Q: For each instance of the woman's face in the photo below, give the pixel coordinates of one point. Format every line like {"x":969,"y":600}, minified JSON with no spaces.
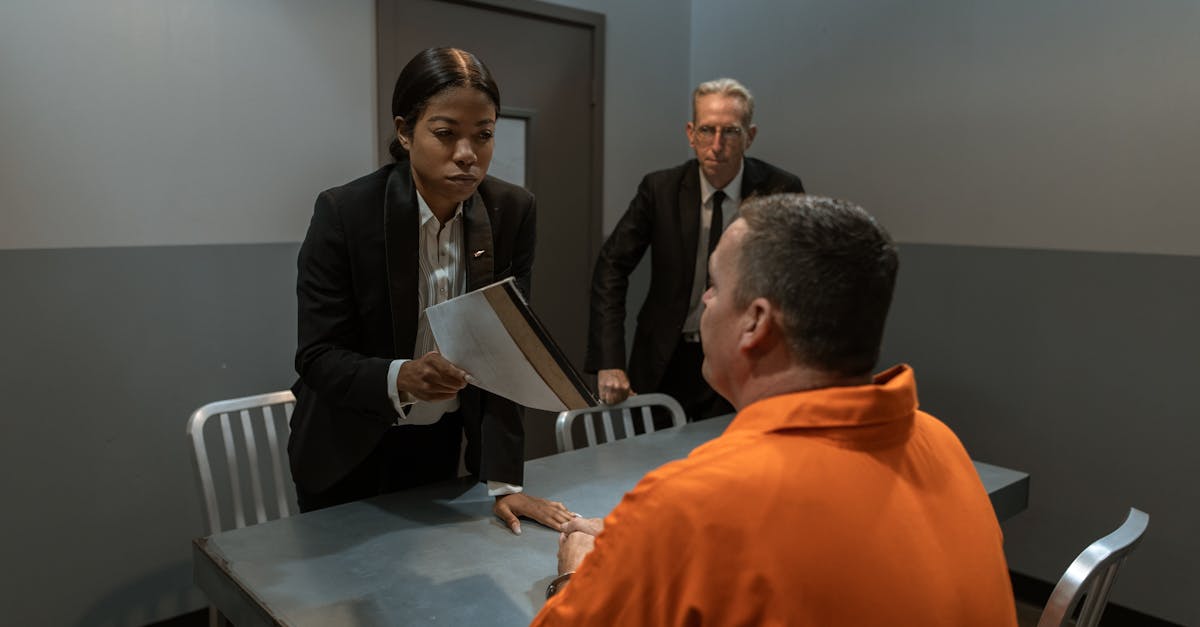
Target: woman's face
{"x":450,"y":147}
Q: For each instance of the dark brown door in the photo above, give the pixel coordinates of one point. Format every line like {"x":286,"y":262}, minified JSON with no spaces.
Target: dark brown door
{"x":548,"y":63}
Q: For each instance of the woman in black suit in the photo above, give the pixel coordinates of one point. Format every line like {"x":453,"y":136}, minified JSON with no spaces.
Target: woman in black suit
{"x":378,"y":409}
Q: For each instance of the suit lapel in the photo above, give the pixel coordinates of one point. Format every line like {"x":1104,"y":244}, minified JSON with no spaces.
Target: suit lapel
{"x":754,"y":179}
{"x":401,"y":228}
{"x":689,"y":216}
{"x":477,"y":239}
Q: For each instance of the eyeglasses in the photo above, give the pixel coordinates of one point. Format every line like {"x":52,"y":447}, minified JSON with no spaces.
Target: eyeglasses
{"x":707,"y":133}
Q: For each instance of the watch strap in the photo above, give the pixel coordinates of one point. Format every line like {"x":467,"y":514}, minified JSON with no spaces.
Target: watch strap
{"x":558,"y":583}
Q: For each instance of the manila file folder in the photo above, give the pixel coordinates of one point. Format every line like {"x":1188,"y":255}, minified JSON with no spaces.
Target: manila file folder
{"x":493,"y":334}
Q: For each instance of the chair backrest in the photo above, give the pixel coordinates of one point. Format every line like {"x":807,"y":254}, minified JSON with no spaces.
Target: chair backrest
{"x":645,"y":403}
{"x":1092,"y":574}
{"x":220,"y":453}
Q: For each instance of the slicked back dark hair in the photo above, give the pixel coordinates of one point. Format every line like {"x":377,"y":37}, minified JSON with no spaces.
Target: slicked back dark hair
{"x":830,"y":267}
{"x":429,"y":73}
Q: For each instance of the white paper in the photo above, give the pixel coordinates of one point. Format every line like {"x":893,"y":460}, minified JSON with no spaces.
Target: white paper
{"x":471,"y":336}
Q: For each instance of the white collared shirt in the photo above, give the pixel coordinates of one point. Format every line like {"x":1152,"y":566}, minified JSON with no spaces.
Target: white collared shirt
{"x":442,"y":275}
{"x":729,"y":211}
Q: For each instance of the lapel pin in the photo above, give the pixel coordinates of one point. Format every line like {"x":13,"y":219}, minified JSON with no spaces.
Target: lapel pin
{"x":478,"y":254}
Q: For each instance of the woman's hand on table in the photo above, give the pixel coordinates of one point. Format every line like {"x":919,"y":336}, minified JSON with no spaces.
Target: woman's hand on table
{"x":510,"y":507}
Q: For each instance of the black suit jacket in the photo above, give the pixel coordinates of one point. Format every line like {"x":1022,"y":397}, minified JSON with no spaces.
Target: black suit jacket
{"x":358,"y":310}
{"x":664,"y":216}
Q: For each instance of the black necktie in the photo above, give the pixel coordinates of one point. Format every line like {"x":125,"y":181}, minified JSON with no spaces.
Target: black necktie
{"x":718,"y":221}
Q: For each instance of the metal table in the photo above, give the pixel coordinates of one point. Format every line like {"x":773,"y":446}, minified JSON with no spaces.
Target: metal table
{"x":437,"y":555}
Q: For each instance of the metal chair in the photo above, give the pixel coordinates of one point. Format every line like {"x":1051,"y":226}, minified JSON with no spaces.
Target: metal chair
{"x":644,"y":402}
{"x":1092,"y":574}
{"x":266,"y":481}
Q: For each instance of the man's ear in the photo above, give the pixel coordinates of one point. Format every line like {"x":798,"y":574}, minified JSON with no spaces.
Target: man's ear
{"x":750,"y":133}
{"x":758,"y":321}
{"x":688,"y":131}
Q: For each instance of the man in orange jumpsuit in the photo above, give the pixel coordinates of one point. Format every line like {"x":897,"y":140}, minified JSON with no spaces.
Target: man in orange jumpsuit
{"x":830,"y":499}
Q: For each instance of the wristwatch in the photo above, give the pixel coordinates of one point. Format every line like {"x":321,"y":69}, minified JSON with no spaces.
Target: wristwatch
{"x":559,"y":583}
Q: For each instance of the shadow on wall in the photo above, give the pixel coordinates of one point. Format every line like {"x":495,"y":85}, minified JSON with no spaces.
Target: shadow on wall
{"x":165,"y":592}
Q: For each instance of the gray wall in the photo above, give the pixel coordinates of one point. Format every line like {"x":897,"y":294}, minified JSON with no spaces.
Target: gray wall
{"x":159,"y":162}
{"x":107,"y":351}
{"x":1075,"y":367}
{"x":1035,"y":161}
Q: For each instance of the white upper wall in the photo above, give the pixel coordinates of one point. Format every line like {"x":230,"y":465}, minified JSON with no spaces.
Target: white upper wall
{"x":1069,"y":124}
{"x":1062,"y":125}
{"x":130,"y":123}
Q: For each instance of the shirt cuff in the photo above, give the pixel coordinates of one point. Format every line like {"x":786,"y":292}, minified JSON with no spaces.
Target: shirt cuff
{"x":499,"y":488}
{"x":400,"y":400}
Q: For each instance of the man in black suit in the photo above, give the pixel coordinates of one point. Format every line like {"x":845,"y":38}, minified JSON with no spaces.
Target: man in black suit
{"x":671,"y":214}
{"x":378,"y":409}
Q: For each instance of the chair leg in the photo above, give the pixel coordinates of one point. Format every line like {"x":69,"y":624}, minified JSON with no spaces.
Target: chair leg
{"x":1097,"y":599}
{"x":217,"y":619}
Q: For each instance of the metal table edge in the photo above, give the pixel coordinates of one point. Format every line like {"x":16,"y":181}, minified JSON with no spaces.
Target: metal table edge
{"x":227,"y":592}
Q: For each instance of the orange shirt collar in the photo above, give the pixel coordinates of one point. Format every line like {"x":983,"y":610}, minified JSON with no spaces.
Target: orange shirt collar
{"x":891,"y":397}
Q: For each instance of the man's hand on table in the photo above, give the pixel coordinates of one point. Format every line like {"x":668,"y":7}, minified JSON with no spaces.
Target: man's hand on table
{"x":590,"y":526}
{"x":613,"y":386}
{"x":510,"y":507}
{"x":576,"y":541}
{"x":572,"y":548}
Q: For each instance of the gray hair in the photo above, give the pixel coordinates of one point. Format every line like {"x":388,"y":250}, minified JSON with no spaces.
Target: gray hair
{"x":725,"y":87}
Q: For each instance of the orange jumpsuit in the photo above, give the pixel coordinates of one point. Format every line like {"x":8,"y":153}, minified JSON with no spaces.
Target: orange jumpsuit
{"x":837,"y":506}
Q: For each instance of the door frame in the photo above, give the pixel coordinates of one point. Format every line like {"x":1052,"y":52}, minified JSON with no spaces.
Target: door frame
{"x":388,"y":68}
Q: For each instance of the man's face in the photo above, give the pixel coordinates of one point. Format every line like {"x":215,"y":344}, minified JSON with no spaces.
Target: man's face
{"x":720,"y":323}
{"x":718,"y":136}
